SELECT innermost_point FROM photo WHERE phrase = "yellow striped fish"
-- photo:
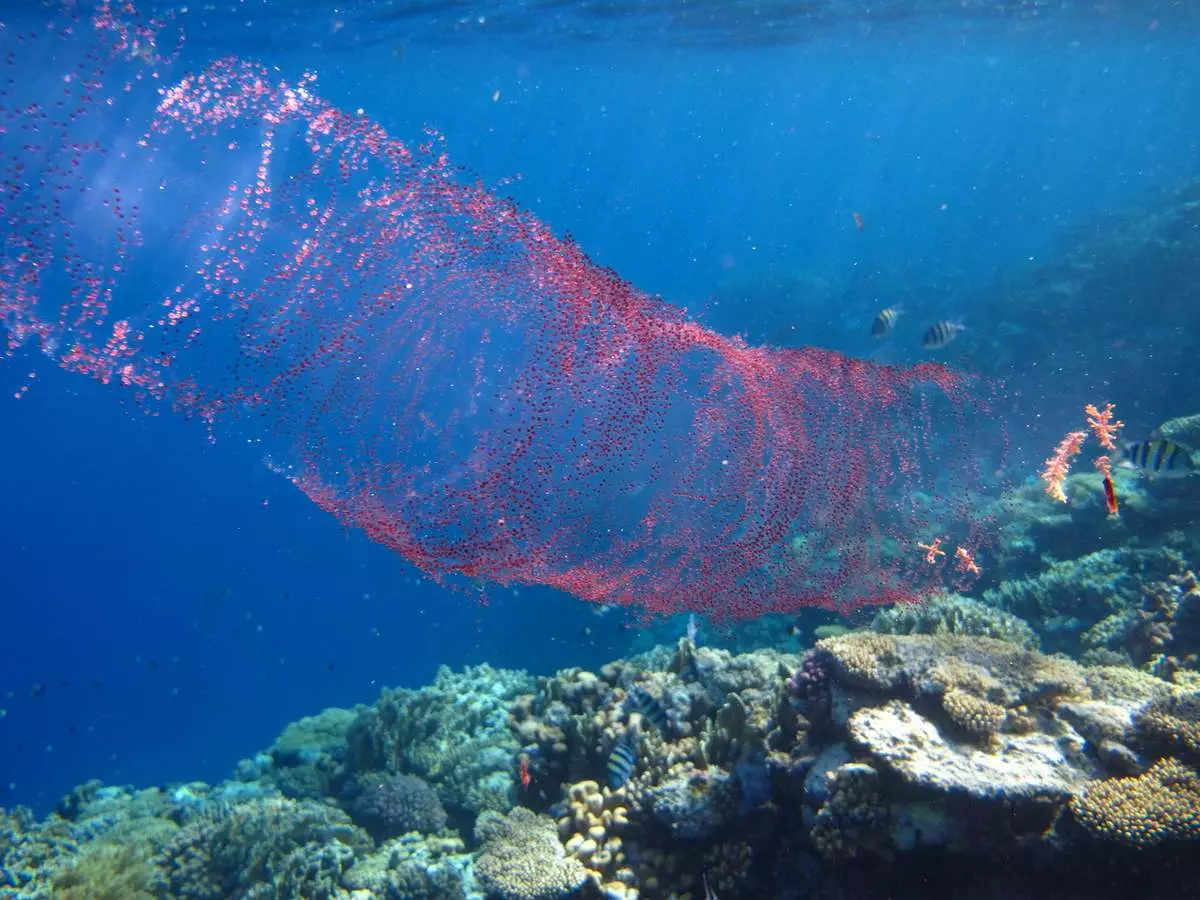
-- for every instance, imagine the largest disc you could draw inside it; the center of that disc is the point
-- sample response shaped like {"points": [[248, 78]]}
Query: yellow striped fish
{"points": [[941, 334], [621, 762], [886, 321], [1162, 457]]}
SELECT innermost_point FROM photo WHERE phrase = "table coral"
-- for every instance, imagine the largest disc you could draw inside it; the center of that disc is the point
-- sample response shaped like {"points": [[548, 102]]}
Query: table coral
{"points": [[1163, 804]]}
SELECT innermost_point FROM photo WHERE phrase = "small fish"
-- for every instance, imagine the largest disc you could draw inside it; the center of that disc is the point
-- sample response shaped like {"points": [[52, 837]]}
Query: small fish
{"points": [[859, 224], [793, 630], [525, 775], [620, 763], [1162, 457], [709, 893], [651, 709], [941, 334], [885, 321]]}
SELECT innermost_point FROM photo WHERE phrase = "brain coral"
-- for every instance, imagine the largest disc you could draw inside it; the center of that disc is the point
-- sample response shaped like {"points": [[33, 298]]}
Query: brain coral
{"points": [[522, 859], [399, 804]]}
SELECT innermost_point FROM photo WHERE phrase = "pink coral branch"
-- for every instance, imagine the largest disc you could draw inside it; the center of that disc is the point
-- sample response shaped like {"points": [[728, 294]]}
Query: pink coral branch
{"points": [[1059, 464]]}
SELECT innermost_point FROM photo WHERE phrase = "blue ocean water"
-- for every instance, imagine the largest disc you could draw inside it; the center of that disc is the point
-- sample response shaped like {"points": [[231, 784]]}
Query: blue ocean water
{"points": [[171, 603]]}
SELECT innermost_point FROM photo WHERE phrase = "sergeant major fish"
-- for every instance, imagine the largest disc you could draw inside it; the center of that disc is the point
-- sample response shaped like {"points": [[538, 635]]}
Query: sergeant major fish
{"points": [[643, 701], [1161, 457], [621, 762], [940, 334], [885, 321]]}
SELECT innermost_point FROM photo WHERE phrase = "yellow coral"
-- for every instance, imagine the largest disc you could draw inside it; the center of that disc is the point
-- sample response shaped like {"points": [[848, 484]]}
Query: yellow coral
{"points": [[979, 717], [861, 654], [107, 872], [1160, 805], [590, 823], [521, 858]]}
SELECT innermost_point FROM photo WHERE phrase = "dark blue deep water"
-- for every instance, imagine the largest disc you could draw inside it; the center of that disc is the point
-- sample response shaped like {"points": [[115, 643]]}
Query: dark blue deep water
{"points": [[169, 604]]}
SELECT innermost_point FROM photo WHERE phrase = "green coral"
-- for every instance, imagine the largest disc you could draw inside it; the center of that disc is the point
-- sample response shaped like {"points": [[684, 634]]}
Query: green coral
{"points": [[453, 733], [1071, 597], [955, 614], [107, 872]]}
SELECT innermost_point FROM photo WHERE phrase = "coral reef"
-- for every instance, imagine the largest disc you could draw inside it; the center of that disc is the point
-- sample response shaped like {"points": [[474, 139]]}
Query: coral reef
{"points": [[747, 769]]}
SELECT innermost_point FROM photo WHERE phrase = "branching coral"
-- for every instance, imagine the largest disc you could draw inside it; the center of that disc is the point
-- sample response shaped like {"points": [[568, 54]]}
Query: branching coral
{"points": [[107, 872]]}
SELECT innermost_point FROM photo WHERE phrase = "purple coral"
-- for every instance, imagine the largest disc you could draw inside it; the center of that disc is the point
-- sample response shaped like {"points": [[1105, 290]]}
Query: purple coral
{"points": [[399, 804], [810, 686]]}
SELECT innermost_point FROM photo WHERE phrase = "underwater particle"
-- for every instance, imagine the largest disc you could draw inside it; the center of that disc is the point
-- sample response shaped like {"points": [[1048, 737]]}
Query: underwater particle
{"points": [[886, 321], [940, 334]]}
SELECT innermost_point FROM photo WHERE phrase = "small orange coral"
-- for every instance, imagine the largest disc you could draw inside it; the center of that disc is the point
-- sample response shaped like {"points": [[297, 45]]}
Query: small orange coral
{"points": [[1059, 464], [1102, 425]]}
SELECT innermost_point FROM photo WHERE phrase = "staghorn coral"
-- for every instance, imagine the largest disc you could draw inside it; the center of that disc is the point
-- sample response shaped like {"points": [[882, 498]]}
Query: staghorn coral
{"points": [[1163, 804], [397, 804], [1070, 597], [522, 859], [107, 871]]}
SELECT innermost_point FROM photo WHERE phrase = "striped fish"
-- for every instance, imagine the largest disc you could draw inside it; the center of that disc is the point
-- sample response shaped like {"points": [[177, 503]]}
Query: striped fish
{"points": [[621, 762], [941, 334], [885, 321], [1159, 456], [642, 701]]}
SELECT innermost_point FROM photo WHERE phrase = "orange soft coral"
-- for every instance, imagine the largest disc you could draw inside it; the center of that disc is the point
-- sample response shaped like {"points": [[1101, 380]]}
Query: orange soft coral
{"points": [[1059, 464]]}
